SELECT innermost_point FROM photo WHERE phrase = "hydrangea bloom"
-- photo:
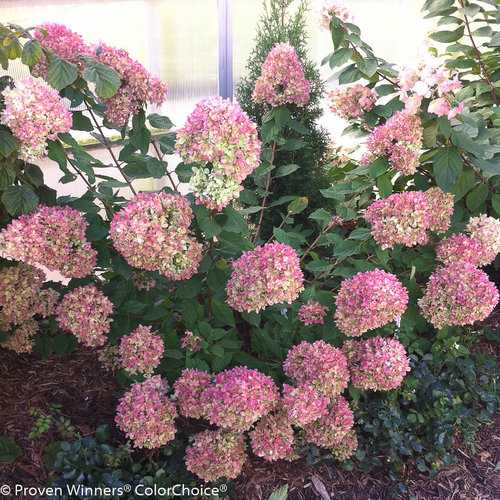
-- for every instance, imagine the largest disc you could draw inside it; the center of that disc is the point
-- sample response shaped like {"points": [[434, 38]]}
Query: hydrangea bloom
{"points": [[458, 295], [85, 313], [399, 139], [402, 219], [312, 313], [141, 351], [34, 113], [152, 233], [282, 79], [485, 231], [237, 398], [377, 363], [22, 297], [221, 138], [369, 300], [273, 438], [188, 390], [330, 430], [458, 249], [331, 10], [60, 41], [347, 447], [137, 84], [21, 339], [265, 276], [319, 365], [146, 415], [303, 404], [440, 209], [191, 341], [53, 237], [352, 102], [216, 454], [142, 281]]}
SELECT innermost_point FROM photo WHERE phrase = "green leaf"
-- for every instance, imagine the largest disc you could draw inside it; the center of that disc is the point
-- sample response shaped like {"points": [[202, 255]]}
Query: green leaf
{"points": [[34, 173], [7, 175], [296, 206], [293, 144], [340, 57], [448, 36], [251, 317], [106, 79], [184, 171], [354, 392], [14, 48], [281, 116], [8, 143], [141, 139], [430, 134], [286, 170], [43, 345], [378, 167], [337, 36], [223, 313], [81, 122], [61, 73], [210, 227], [160, 122], [317, 266], [368, 66], [384, 186], [32, 52], [345, 249], [463, 185], [465, 142], [156, 167], [321, 215], [447, 167], [495, 40], [477, 197], [281, 236], [349, 75], [9, 450], [19, 200], [444, 126], [279, 494], [64, 344], [102, 433]]}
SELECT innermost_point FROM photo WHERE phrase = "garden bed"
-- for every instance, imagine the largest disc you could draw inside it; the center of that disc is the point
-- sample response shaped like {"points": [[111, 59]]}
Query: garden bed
{"points": [[87, 394]]}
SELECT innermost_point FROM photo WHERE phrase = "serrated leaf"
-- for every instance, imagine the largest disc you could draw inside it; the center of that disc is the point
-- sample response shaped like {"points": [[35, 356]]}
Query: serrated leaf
{"points": [[61, 73], [106, 79], [340, 57], [223, 313], [279, 494], [447, 167], [350, 74], [477, 197], [281, 236], [19, 200], [367, 66], [286, 170], [448, 36], [8, 143], [384, 186], [160, 122], [14, 49], [378, 167], [298, 205], [9, 450], [7, 175]]}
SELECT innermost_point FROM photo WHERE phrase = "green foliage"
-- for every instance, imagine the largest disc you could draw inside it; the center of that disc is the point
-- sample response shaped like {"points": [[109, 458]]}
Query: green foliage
{"points": [[281, 22], [9, 450]]}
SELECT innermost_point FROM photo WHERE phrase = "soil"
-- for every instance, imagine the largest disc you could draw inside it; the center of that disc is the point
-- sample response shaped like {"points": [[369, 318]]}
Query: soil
{"points": [[87, 393]]}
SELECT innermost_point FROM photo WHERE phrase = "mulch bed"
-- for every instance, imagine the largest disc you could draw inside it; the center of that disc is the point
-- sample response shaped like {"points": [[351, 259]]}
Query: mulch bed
{"points": [[87, 394]]}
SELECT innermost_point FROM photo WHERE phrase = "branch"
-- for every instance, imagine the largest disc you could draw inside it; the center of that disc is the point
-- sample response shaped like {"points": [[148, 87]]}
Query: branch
{"points": [[160, 157], [108, 147]]}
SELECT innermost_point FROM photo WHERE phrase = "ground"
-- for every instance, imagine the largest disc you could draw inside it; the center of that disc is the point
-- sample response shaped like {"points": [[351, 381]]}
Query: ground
{"points": [[87, 394]]}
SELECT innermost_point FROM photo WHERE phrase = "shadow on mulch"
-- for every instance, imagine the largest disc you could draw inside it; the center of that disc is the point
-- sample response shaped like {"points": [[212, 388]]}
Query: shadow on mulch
{"points": [[77, 382]]}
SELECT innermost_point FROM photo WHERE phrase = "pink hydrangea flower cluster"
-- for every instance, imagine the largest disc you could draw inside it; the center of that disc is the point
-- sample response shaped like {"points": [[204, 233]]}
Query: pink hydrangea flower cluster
{"points": [[312, 313], [216, 454], [22, 298], [265, 276], [377, 363], [191, 341], [303, 404], [402, 219], [485, 231], [53, 237], [273, 438], [188, 390], [142, 281], [152, 233], [352, 102], [219, 136], [146, 415], [34, 113], [319, 366], [238, 397], [60, 41], [282, 79], [137, 84], [141, 351], [369, 300], [330, 430], [331, 10], [399, 139], [85, 313], [458, 295], [441, 209], [458, 249], [347, 447], [429, 80]]}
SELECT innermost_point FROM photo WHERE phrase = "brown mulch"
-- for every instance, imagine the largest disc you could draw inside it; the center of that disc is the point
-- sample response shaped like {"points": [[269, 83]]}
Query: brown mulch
{"points": [[87, 394], [77, 382]]}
